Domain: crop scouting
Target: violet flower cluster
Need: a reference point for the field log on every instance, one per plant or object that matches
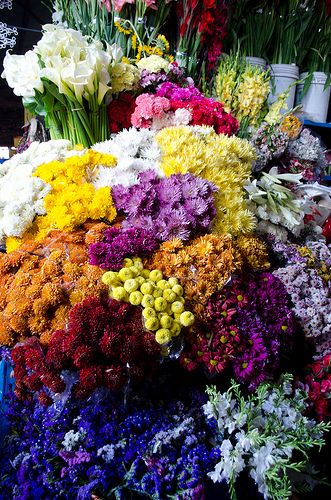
(119, 243)
(249, 327)
(180, 206)
(102, 446)
(311, 303)
(177, 93)
(150, 81)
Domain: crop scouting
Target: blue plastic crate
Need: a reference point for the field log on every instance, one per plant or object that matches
(6, 386)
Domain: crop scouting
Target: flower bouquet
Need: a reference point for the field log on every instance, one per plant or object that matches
(68, 79)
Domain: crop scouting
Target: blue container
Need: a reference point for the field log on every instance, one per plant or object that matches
(6, 386)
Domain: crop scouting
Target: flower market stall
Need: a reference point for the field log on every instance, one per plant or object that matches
(165, 298)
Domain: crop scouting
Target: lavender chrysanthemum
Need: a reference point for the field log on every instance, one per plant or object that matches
(179, 206)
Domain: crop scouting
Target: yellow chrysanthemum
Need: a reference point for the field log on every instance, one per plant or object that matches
(73, 199)
(225, 161)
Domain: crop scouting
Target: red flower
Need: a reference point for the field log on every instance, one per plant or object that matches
(120, 111)
(105, 342)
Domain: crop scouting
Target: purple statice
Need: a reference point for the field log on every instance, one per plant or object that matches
(119, 243)
(180, 206)
(157, 448)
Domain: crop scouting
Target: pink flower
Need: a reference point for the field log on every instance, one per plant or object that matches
(118, 4)
(149, 106)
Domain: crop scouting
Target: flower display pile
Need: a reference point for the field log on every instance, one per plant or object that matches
(42, 280)
(148, 448)
(309, 288)
(179, 206)
(104, 342)
(175, 236)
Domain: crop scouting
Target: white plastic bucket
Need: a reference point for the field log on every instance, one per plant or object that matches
(283, 75)
(257, 61)
(316, 101)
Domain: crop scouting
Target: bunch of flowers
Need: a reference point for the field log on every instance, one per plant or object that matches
(205, 264)
(179, 206)
(311, 302)
(247, 328)
(161, 299)
(177, 105)
(119, 243)
(307, 149)
(291, 125)
(201, 29)
(153, 72)
(224, 161)
(318, 385)
(73, 199)
(277, 207)
(270, 142)
(243, 89)
(202, 266)
(21, 195)
(102, 445)
(104, 342)
(67, 77)
(267, 435)
(120, 111)
(41, 281)
(136, 152)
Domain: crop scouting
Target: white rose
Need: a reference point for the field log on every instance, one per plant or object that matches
(23, 73)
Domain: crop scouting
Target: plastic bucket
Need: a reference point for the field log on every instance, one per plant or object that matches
(316, 101)
(283, 75)
(257, 61)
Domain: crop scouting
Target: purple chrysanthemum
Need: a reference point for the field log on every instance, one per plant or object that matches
(179, 206)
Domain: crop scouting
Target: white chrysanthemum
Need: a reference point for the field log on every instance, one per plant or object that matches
(21, 194)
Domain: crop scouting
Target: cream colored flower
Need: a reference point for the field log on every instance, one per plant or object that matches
(153, 64)
(123, 77)
(23, 74)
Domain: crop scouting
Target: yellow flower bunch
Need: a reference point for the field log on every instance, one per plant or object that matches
(253, 252)
(162, 302)
(73, 199)
(252, 93)
(225, 84)
(274, 115)
(120, 26)
(225, 161)
(292, 126)
(124, 76)
(243, 89)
